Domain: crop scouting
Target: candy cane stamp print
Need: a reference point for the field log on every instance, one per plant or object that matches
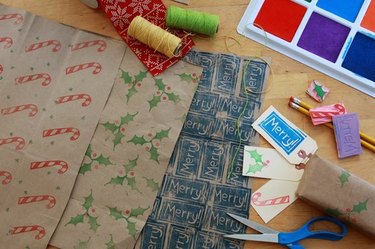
(67, 98)
(18, 141)
(8, 42)
(1, 69)
(72, 69)
(33, 109)
(51, 200)
(32, 228)
(18, 18)
(55, 44)
(59, 131)
(102, 45)
(63, 166)
(7, 177)
(46, 78)
(269, 202)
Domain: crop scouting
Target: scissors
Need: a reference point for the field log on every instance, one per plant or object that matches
(288, 239)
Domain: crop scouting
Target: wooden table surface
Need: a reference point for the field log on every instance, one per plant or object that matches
(289, 78)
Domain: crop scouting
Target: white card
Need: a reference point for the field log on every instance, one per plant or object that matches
(273, 197)
(268, 163)
(290, 141)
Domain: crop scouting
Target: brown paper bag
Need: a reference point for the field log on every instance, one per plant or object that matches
(339, 193)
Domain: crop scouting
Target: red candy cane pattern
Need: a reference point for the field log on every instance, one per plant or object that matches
(102, 45)
(270, 202)
(38, 198)
(7, 40)
(68, 98)
(25, 229)
(27, 78)
(97, 68)
(59, 131)
(1, 69)
(8, 177)
(55, 43)
(18, 17)
(14, 140)
(51, 163)
(13, 109)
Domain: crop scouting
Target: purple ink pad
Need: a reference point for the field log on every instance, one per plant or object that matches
(323, 37)
(346, 128)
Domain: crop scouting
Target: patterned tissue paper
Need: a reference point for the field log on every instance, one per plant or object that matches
(339, 193)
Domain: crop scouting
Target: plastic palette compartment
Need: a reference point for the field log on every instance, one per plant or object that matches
(336, 37)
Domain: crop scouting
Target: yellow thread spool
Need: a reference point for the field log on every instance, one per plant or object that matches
(154, 36)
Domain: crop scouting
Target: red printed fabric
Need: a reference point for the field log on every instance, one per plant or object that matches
(122, 12)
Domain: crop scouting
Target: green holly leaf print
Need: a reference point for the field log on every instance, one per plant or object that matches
(152, 184)
(128, 118)
(154, 155)
(85, 168)
(131, 228)
(135, 212)
(186, 77)
(344, 177)
(254, 168)
(138, 140)
(111, 127)
(256, 156)
(88, 151)
(131, 164)
(110, 244)
(118, 180)
(361, 206)
(159, 84)
(334, 212)
(117, 139)
(88, 202)
(131, 92)
(115, 213)
(103, 160)
(319, 91)
(154, 101)
(76, 219)
(140, 76)
(126, 77)
(162, 134)
(132, 183)
(173, 97)
(93, 223)
(82, 244)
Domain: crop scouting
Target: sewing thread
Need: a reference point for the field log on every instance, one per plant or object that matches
(154, 36)
(194, 21)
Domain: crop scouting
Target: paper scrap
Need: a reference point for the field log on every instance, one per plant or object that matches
(290, 141)
(273, 197)
(347, 137)
(268, 163)
(317, 91)
(50, 107)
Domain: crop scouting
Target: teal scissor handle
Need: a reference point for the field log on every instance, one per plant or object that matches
(291, 239)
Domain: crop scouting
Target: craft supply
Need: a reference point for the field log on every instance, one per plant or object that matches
(346, 129)
(290, 141)
(289, 239)
(122, 12)
(273, 197)
(268, 163)
(297, 104)
(339, 193)
(317, 91)
(190, 20)
(154, 36)
(323, 114)
(334, 37)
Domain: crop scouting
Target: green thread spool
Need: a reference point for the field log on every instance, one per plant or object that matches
(190, 20)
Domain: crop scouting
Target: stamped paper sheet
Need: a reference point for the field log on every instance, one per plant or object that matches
(54, 82)
(128, 155)
(204, 178)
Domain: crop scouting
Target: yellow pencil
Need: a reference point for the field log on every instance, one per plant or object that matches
(363, 136)
(301, 109)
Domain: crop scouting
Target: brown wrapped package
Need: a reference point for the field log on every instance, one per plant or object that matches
(339, 193)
